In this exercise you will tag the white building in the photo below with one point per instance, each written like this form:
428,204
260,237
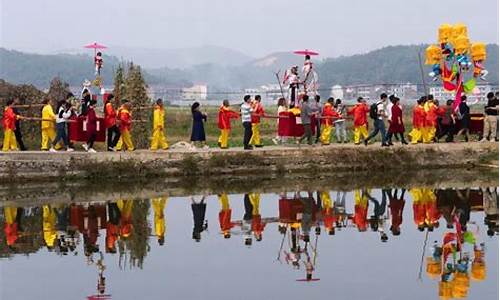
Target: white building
198,92
441,94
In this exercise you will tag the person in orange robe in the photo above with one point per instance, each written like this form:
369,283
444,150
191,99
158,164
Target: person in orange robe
416,133
359,112
224,123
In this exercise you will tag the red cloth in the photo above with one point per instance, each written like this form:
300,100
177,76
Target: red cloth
359,111
418,116
109,115
329,218
329,113
431,116
287,125
360,217
257,225
125,119
112,233
396,125
396,207
225,220
11,234
91,121
225,116
418,213
9,118
258,112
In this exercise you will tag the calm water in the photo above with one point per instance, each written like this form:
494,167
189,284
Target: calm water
255,246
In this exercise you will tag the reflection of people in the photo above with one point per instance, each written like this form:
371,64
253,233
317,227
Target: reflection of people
396,205
112,227
257,224
329,217
246,225
12,220
340,212
490,206
225,216
463,207
377,221
360,210
199,209
159,218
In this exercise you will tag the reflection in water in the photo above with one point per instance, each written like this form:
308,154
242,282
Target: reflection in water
68,229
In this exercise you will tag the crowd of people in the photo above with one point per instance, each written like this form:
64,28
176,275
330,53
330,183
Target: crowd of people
430,123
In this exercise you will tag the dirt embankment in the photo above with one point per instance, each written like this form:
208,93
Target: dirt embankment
269,162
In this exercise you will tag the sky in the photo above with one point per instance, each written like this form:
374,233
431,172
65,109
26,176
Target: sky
256,27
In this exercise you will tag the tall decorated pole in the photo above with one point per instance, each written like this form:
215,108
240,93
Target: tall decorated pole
456,61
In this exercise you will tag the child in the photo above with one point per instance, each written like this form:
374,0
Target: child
396,125
125,118
225,116
282,107
340,128
9,126
256,115
198,129
91,128
63,114
98,63
328,115
360,122
158,138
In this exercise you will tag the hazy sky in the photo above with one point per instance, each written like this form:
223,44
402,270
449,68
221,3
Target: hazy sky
255,27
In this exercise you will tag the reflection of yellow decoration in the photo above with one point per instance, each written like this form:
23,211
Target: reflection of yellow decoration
478,51
432,55
295,111
460,285
478,271
444,33
445,290
433,267
461,44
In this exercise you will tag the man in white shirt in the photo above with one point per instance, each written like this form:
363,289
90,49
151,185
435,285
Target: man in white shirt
246,119
378,121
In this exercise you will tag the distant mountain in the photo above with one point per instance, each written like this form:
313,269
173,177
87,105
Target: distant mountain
392,64
36,69
179,58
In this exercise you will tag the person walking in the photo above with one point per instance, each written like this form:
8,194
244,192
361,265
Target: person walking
340,127
9,127
377,113
48,120
418,122
359,112
158,139
306,113
17,131
110,123
396,125
63,114
91,127
318,109
246,119
463,114
447,122
224,123
258,112
198,129
282,108
125,119
328,116
490,118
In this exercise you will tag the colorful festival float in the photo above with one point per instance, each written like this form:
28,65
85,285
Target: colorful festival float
459,64
290,124
458,258
91,90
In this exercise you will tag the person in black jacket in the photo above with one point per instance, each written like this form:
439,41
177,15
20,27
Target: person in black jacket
17,131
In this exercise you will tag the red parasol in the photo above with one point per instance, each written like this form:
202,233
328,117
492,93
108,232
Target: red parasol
95,46
99,297
306,52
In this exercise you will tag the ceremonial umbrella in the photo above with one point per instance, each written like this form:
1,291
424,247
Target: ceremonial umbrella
95,46
306,52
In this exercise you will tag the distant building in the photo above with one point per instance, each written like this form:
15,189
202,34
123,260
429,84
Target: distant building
198,92
269,93
441,94
337,92
405,91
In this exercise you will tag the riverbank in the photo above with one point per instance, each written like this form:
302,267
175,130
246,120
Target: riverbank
267,162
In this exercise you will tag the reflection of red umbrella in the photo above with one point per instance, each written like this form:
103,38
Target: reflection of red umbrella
99,297
306,52
95,46
305,279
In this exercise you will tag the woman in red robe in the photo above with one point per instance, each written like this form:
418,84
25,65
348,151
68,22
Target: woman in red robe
396,125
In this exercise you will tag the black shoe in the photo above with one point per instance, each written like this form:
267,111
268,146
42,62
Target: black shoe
365,142
385,145
248,148
259,146
390,144
404,142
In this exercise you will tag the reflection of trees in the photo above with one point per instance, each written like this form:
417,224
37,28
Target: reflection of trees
137,245
30,240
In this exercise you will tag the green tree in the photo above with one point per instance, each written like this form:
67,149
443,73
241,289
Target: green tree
136,94
119,85
58,89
